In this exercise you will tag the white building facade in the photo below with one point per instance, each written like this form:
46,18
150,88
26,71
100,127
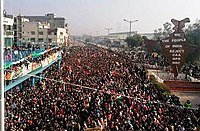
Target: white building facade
8,34
123,35
46,29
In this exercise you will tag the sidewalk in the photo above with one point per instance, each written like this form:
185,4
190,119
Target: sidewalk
194,97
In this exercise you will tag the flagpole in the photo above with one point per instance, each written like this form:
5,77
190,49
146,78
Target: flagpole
2,66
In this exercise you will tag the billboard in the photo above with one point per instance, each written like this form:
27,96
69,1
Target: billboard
176,47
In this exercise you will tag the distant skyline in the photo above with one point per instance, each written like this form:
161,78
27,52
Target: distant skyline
93,16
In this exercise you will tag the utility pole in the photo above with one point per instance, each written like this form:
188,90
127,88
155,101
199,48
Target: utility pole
108,29
130,22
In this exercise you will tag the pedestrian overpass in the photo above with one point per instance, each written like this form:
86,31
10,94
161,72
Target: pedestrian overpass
34,70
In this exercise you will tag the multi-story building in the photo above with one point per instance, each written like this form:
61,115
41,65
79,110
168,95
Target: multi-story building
8,21
17,28
41,29
34,31
123,35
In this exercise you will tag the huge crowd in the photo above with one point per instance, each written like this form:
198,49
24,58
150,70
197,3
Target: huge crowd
158,61
26,64
18,52
95,88
192,70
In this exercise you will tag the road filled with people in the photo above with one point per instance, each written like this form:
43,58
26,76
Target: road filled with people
95,87
157,61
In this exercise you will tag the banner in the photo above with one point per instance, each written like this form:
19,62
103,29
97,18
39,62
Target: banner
45,62
8,76
36,65
24,70
17,73
53,56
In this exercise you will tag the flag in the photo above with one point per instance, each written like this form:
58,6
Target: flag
70,69
109,116
86,72
114,73
119,97
62,111
55,110
68,78
132,106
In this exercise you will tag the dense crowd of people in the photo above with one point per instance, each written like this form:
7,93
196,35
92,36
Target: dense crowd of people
26,64
157,61
96,88
18,52
191,70
149,59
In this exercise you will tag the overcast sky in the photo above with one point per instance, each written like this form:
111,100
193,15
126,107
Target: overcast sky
93,16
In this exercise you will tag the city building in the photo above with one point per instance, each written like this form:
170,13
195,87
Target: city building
8,34
34,31
41,29
123,35
119,37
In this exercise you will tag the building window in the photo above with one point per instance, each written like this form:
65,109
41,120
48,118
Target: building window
23,25
32,39
61,33
8,27
40,40
4,27
32,32
40,33
14,26
50,40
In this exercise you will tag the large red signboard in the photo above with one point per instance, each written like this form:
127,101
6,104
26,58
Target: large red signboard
175,47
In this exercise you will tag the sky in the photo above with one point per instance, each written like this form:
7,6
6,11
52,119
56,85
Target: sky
91,17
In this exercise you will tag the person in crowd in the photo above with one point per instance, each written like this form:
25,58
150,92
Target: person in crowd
188,104
95,87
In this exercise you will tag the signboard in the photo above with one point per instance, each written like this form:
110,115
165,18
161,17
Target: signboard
150,45
176,47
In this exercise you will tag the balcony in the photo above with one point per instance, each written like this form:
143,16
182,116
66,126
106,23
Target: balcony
8,33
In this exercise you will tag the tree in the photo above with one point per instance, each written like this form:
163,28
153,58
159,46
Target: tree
167,29
87,40
157,34
134,41
163,32
193,37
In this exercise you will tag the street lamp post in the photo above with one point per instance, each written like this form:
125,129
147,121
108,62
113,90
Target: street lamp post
130,22
108,30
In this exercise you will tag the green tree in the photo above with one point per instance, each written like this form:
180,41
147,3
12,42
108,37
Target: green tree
157,34
163,32
193,37
134,41
167,29
87,40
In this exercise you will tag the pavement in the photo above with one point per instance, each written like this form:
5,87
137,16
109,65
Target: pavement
194,97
